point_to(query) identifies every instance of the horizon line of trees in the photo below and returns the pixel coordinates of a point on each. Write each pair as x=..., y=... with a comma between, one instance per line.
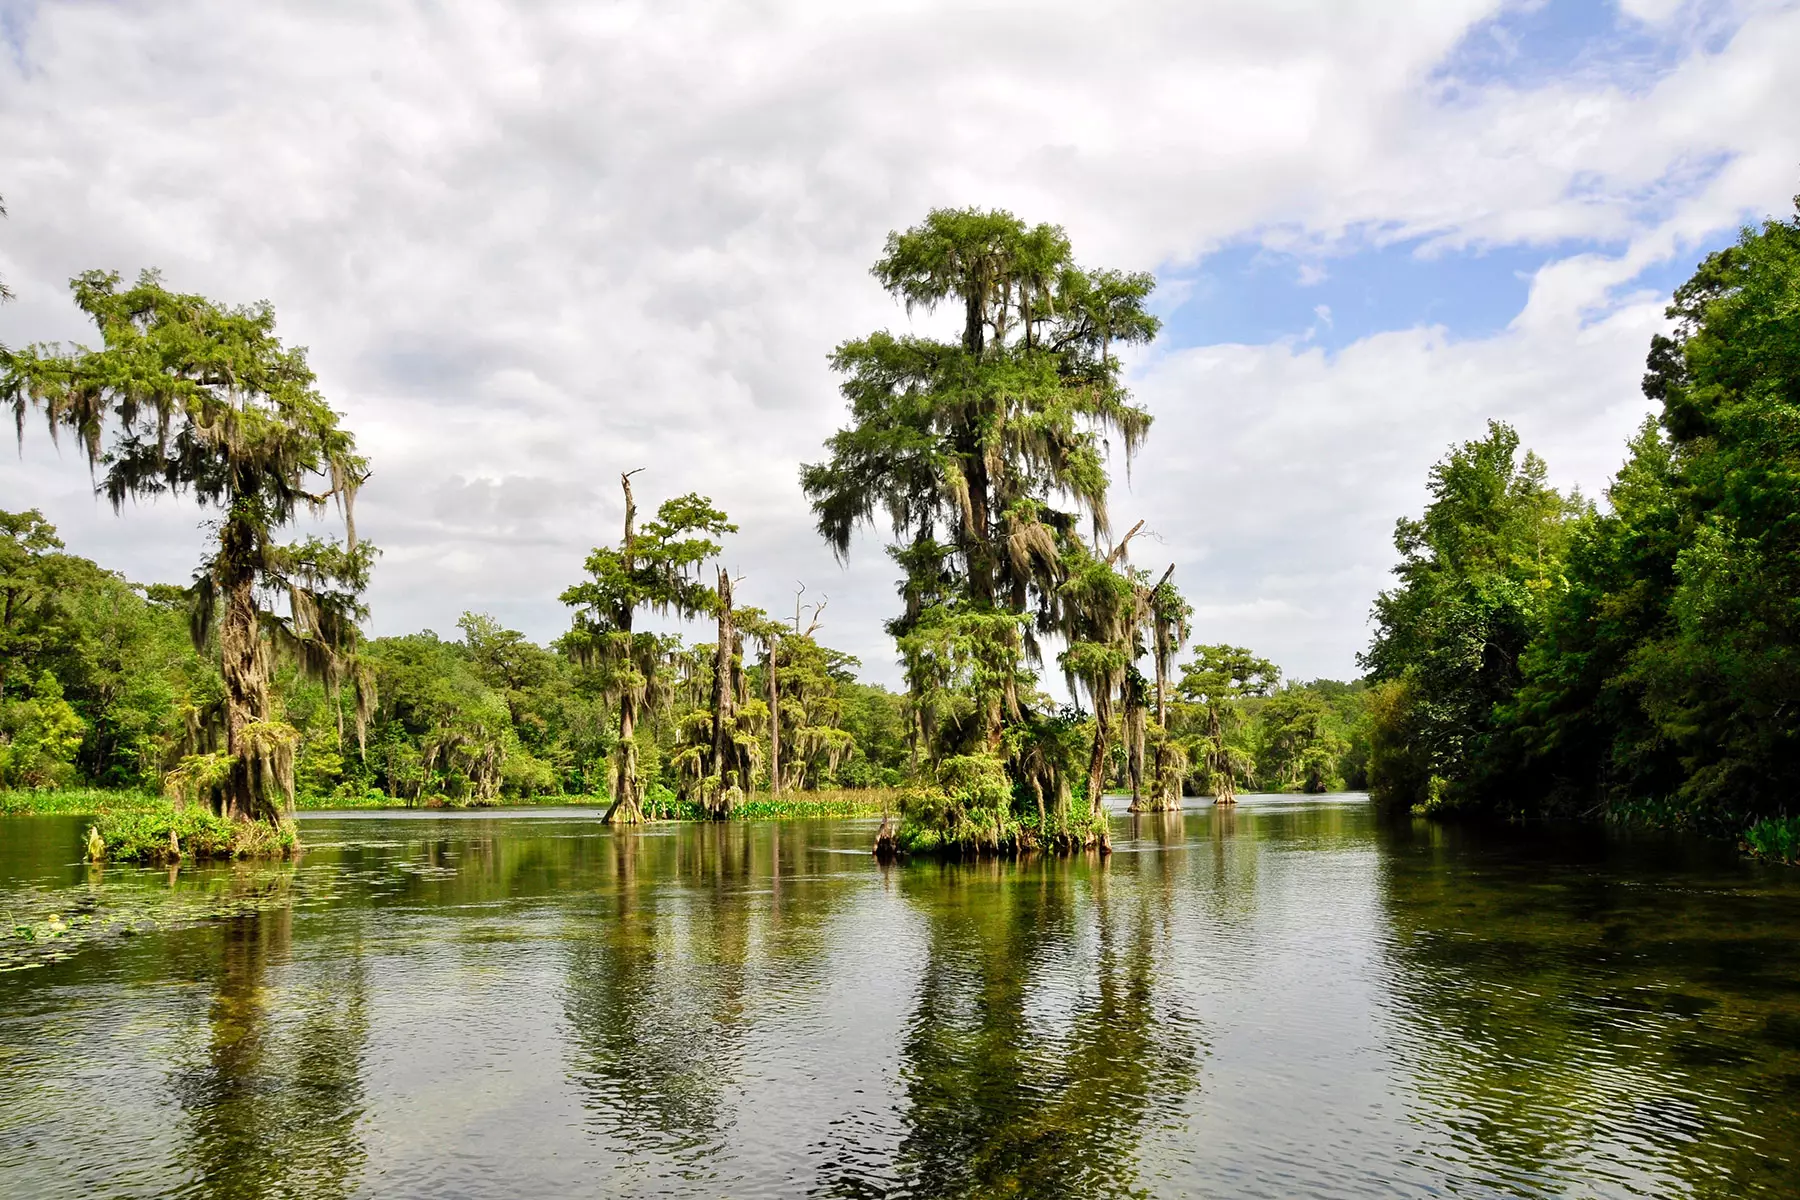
x=101, y=685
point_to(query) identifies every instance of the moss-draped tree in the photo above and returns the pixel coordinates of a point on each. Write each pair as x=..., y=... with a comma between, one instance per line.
x=1216, y=681
x=1166, y=613
x=188, y=396
x=985, y=453
x=656, y=568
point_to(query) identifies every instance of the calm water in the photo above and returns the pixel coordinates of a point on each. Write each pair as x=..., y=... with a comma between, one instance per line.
x=1292, y=999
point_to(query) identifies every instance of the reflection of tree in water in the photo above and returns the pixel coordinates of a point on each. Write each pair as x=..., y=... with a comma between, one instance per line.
x=656, y=988
x=1029, y=1068
x=1572, y=1018
x=271, y=1109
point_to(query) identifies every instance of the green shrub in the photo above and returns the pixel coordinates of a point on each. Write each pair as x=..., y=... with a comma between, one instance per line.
x=166, y=834
x=1776, y=838
x=76, y=802
x=970, y=813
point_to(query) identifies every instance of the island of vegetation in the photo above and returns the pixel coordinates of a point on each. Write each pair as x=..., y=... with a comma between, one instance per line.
x=1539, y=655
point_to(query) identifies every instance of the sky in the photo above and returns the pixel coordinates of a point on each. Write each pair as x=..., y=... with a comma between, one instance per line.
x=530, y=246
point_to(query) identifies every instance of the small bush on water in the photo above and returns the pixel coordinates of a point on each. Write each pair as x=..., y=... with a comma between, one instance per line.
x=166, y=834
x=970, y=813
x=1776, y=838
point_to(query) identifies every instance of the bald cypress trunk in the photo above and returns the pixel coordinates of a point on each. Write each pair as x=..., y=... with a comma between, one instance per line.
x=774, y=722
x=259, y=784
x=1224, y=786
x=1097, y=759
x=627, y=806
x=724, y=705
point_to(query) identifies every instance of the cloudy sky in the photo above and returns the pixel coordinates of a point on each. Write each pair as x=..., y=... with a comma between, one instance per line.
x=533, y=245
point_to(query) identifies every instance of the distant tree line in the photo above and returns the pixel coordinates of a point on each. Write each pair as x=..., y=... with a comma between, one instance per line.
x=101, y=684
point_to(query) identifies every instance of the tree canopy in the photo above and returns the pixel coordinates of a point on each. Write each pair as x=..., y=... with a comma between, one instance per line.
x=188, y=396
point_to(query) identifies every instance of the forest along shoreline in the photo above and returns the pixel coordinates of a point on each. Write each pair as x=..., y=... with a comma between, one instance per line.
x=1540, y=655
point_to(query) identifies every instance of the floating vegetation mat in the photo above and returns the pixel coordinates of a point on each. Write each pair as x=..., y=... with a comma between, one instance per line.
x=46, y=925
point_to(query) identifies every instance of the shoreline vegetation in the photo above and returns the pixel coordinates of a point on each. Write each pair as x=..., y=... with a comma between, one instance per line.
x=140, y=827
x=835, y=802
x=1540, y=655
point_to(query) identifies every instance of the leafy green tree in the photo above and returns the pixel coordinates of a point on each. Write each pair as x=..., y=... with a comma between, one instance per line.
x=986, y=453
x=1476, y=574
x=1301, y=746
x=968, y=445
x=655, y=568
x=812, y=680
x=1668, y=672
x=1099, y=606
x=1168, y=615
x=25, y=540
x=438, y=730
x=1215, y=684
x=560, y=728
x=203, y=399
x=39, y=737
x=875, y=719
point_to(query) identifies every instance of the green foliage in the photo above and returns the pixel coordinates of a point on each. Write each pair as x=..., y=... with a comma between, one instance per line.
x=969, y=811
x=75, y=801
x=167, y=834
x=655, y=568
x=1302, y=747
x=1641, y=662
x=188, y=396
x=39, y=737
x=1209, y=714
x=985, y=454
x=1668, y=673
x=1476, y=575
x=1775, y=838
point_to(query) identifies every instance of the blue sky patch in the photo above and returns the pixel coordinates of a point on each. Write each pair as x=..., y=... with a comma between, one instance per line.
x=1530, y=44
x=1246, y=293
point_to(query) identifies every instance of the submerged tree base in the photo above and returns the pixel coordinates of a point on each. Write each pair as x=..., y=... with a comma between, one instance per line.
x=167, y=835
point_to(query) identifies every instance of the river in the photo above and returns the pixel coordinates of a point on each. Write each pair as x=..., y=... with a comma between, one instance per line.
x=1290, y=999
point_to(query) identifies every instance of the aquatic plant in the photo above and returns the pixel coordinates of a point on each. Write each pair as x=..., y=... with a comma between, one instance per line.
x=1774, y=838
x=76, y=801
x=169, y=834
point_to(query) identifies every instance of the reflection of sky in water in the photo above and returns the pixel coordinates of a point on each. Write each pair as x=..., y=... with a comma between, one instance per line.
x=1286, y=999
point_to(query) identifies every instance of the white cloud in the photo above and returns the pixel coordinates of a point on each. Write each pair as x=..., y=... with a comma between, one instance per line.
x=531, y=246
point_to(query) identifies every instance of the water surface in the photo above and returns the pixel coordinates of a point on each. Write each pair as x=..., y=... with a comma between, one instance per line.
x=1290, y=999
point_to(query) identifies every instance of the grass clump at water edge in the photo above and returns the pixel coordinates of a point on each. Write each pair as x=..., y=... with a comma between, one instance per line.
x=75, y=802
x=168, y=834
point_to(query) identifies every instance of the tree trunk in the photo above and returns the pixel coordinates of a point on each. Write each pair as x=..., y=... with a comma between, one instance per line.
x=1224, y=786
x=1097, y=762
x=627, y=807
x=251, y=789
x=724, y=719
x=1134, y=743
x=774, y=723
